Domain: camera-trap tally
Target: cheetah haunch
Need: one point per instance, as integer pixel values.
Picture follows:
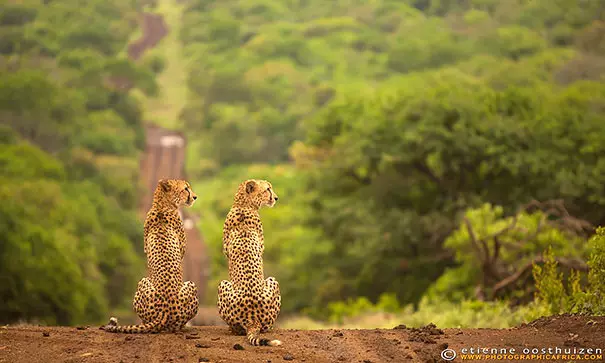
(162, 300)
(248, 303)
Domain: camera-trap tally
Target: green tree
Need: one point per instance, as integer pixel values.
(70, 136)
(387, 200)
(55, 231)
(495, 253)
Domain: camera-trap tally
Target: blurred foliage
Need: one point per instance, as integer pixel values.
(70, 139)
(396, 119)
(445, 314)
(389, 199)
(355, 307)
(561, 295)
(260, 68)
(382, 125)
(495, 253)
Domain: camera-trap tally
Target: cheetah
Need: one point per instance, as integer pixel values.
(248, 302)
(162, 300)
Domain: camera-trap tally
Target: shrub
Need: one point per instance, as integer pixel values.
(560, 296)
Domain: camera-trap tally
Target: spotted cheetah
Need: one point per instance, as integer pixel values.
(162, 300)
(248, 303)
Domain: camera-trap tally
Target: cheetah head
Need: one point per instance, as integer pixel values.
(174, 193)
(256, 193)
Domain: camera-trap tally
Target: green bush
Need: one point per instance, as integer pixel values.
(561, 295)
(46, 243)
(491, 248)
(338, 311)
(444, 314)
(156, 63)
(516, 42)
(16, 14)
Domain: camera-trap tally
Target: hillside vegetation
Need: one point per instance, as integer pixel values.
(71, 136)
(430, 156)
(383, 124)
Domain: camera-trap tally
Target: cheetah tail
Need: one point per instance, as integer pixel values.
(253, 339)
(151, 327)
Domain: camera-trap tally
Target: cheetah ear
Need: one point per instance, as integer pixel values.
(250, 186)
(164, 184)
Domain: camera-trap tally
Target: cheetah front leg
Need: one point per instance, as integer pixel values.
(227, 302)
(269, 304)
(272, 303)
(144, 301)
(189, 303)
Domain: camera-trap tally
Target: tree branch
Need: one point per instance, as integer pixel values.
(424, 169)
(360, 180)
(569, 263)
(473, 237)
(492, 271)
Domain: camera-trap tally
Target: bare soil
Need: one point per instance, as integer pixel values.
(153, 29)
(26, 343)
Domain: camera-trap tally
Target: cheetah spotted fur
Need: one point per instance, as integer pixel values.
(162, 300)
(248, 302)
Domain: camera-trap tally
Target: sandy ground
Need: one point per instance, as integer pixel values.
(29, 344)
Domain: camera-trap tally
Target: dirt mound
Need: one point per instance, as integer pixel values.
(570, 334)
(424, 333)
(153, 29)
(564, 322)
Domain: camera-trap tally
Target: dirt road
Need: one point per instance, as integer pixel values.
(30, 344)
